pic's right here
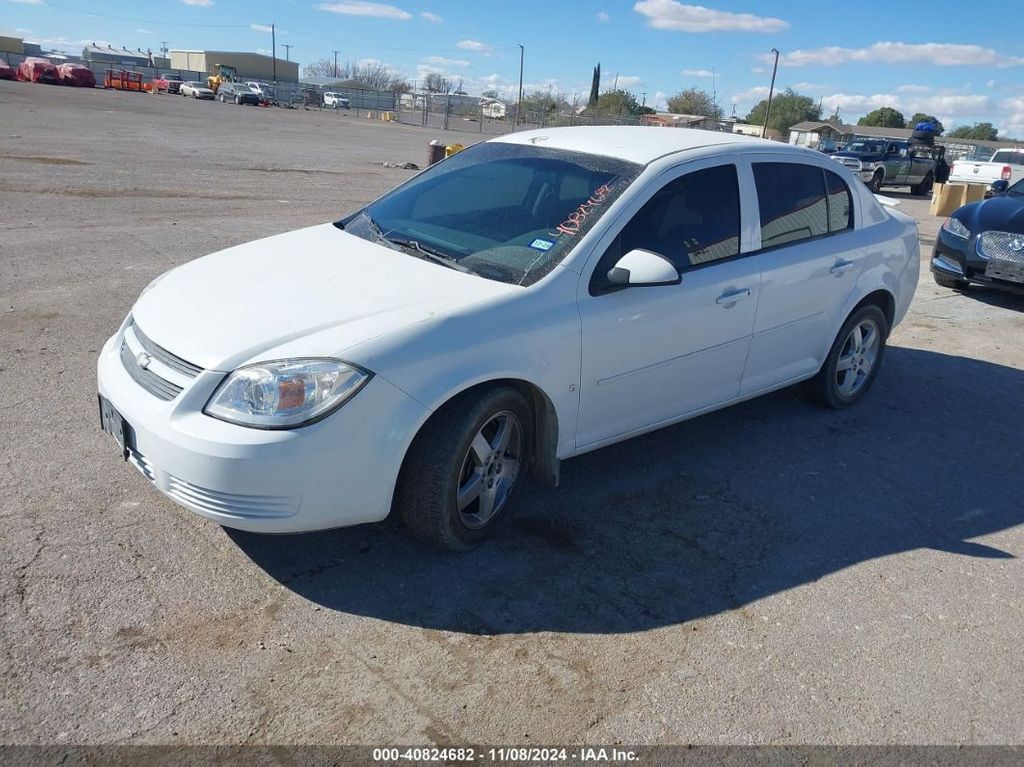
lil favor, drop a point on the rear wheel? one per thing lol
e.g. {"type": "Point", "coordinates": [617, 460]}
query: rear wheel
{"type": "Point", "coordinates": [465, 467]}
{"type": "Point", "coordinates": [875, 184]}
{"type": "Point", "coordinates": [951, 282]}
{"type": "Point", "coordinates": [853, 361]}
{"type": "Point", "coordinates": [925, 187]}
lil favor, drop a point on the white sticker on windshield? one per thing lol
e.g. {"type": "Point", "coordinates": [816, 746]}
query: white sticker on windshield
{"type": "Point", "coordinates": [540, 244]}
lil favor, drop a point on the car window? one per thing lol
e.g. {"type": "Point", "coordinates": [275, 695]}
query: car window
{"type": "Point", "coordinates": [508, 212]}
{"type": "Point", "coordinates": [792, 202]}
{"type": "Point", "coordinates": [840, 203]}
{"type": "Point", "coordinates": [1009, 156]}
{"type": "Point", "coordinates": [692, 220]}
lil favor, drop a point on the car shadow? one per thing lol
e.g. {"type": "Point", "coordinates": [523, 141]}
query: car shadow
{"type": "Point", "coordinates": [705, 516]}
{"type": "Point", "coordinates": [1002, 299]}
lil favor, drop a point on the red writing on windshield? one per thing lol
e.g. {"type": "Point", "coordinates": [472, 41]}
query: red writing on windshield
{"type": "Point", "coordinates": [575, 220]}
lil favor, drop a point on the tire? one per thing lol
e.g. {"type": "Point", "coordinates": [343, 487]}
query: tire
{"type": "Point", "coordinates": [853, 361]}
{"type": "Point", "coordinates": [875, 184]}
{"type": "Point", "coordinates": [925, 187]}
{"type": "Point", "coordinates": [443, 464]}
{"type": "Point", "coordinates": [950, 282]}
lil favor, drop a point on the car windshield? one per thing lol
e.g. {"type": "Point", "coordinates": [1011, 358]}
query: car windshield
{"type": "Point", "coordinates": [507, 212]}
{"type": "Point", "coordinates": [874, 147]}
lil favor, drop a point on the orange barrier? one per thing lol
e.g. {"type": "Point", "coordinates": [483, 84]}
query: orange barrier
{"type": "Point", "coordinates": [123, 80]}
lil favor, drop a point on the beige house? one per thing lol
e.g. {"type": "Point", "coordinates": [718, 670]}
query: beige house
{"type": "Point", "coordinates": [254, 66]}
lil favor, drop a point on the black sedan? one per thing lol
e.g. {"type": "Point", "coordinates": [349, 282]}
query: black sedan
{"type": "Point", "coordinates": [237, 92]}
{"type": "Point", "coordinates": [983, 243]}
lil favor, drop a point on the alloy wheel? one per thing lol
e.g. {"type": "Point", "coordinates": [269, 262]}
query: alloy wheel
{"type": "Point", "coordinates": [490, 470]}
{"type": "Point", "coordinates": [857, 358]}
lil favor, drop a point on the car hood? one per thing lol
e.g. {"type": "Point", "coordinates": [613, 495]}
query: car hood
{"type": "Point", "coordinates": [320, 290]}
{"type": "Point", "coordinates": [1005, 214]}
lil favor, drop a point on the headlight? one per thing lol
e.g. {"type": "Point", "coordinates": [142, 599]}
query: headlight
{"type": "Point", "coordinates": [956, 228]}
{"type": "Point", "coordinates": [286, 393]}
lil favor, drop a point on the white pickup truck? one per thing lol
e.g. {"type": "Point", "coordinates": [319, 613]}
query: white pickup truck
{"type": "Point", "coordinates": [1006, 164]}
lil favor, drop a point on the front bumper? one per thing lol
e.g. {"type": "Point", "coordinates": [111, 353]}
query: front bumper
{"type": "Point", "coordinates": [958, 258]}
{"type": "Point", "coordinates": [337, 472]}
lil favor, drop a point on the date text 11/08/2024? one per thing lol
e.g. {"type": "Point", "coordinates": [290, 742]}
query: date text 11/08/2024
{"type": "Point", "coordinates": [504, 754]}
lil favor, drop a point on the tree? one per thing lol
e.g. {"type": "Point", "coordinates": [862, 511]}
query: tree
{"type": "Point", "coordinates": [542, 103]}
{"type": "Point", "coordinates": [617, 103]}
{"type": "Point", "coordinates": [374, 74]}
{"type": "Point", "coordinates": [694, 101]}
{"type": "Point", "coordinates": [595, 85]}
{"type": "Point", "coordinates": [921, 117]}
{"type": "Point", "coordinates": [435, 82]}
{"type": "Point", "coordinates": [788, 109]}
{"type": "Point", "coordinates": [978, 131]}
{"type": "Point", "coordinates": [885, 117]}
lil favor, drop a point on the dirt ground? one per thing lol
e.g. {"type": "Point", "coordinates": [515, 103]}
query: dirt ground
{"type": "Point", "coordinates": [771, 573]}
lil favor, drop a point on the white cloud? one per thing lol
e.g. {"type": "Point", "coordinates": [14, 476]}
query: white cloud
{"type": "Point", "coordinates": [923, 54]}
{"type": "Point", "coordinates": [1013, 123]}
{"type": "Point", "coordinates": [629, 81]}
{"type": "Point", "coordinates": [948, 107]}
{"type": "Point", "coordinates": [697, 73]}
{"type": "Point", "coordinates": [671, 14]}
{"type": "Point", "coordinates": [441, 61]}
{"type": "Point", "coordinates": [200, 3]}
{"type": "Point", "coordinates": [27, 2]}
{"type": "Point", "coordinates": [660, 103]}
{"type": "Point", "coordinates": [264, 51]}
{"type": "Point", "coordinates": [141, 31]}
{"type": "Point", "coordinates": [473, 45]}
{"type": "Point", "coordinates": [603, 16]}
{"type": "Point", "coordinates": [911, 88]}
{"type": "Point", "coordinates": [750, 95]}
{"type": "Point", "coordinates": [260, 27]}
{"type": "Point", "coordinates": [809, 87]}
{"type": "Point", "coordinates": [432, 17]}
{"type": "Point", "coordinates": [357, 8]}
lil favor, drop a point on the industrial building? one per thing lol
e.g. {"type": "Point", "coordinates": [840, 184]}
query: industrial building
{"type": "Point", "coordinates": [109, 55]}
{"type": "Point", "coordinates": [253, 66]}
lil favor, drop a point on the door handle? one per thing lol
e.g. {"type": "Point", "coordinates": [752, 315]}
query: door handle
{"type": "Point", "coordinates": [841, 267]}
{"type": "Point", "coordinates": [732, 296]}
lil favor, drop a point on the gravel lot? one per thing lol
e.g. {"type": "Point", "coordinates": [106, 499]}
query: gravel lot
{"type": "Point", "coordinates": [771, 573]}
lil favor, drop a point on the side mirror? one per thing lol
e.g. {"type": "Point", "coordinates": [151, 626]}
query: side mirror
{"type": "Point", "coordinates": [642, 268]}
{"type": "Point", "coordinates": [903, 153]}
{"type": "Point", "coordinates": [999, 187]}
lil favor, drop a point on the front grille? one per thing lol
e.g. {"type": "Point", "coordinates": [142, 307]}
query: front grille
{"type": "Point", "coordinates": [1003, 246]}
{"type": "Point", "coordinates": [850, 162]}
{"type": "Point", "coordinates": [158, 371]}
{"type": "Point", "coordinates": [160, 353]}
{"type": "Point", "coordinates": [147, 379]}
{"type": "Point", "coordinates": [229, 504]}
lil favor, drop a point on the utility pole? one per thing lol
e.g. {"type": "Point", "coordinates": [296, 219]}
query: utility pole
{"type": "Point", "coordinates": [714, 94]}
{"type": "Point", "coordinates": [519, 104]}
{"type": "Point", "coordinates": [287, 51]}
{"type": "Point", "coordinates": [643, 101]}
{"type": "Point", "coordinates": [163, 48]}
{"type": "Point", "coordinates": [273, 51]}
{"type": "Point", "coordinates": [771, 91]}
{"type": "Point", "coordinates": [336, 63]}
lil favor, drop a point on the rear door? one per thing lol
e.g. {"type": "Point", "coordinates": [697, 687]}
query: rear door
{"type": "Point", "coordinates": [809, 265]}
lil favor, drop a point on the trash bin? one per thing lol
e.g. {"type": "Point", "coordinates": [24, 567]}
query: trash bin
{"type": "Point", "coordinates": [435, 152]}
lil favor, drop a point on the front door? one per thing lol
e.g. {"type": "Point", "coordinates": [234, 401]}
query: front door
{"type": "Point", "coordinates": [653, 354]}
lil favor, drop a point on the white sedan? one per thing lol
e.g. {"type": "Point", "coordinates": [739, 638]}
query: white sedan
{"type": "Point", "coordinates": [196, 90]}
{"type": "Point", "coordinates": [527, 300]}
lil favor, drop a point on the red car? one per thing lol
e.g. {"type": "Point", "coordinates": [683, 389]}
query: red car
{"type": "Point", "coordinates": [168, 83]}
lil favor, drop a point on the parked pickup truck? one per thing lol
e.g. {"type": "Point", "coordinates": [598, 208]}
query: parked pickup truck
{"type": "Point", "coordinates": [1006, 164]}
{"type": "Point", "coordinates": [884, 162]}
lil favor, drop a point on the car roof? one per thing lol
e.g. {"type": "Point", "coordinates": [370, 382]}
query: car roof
{"type": "Point", "coordinates": [636, 143]}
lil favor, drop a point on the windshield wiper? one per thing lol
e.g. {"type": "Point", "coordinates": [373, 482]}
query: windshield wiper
{"type": "Point", "coordinates": [431, 254]}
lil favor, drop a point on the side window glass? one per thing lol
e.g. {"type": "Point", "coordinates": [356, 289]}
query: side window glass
{"type": "Point", "coordinates": [692, 220]}
{"type": "Point", "coordinates": [840, 203]}
{"type": "Point", "coordinates": [792, 202]}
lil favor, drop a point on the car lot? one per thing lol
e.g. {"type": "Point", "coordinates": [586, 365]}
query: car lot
{"type": "Point", "coordinates": [773, 572]}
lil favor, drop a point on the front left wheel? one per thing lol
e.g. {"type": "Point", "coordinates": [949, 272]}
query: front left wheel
{"type": "Point", "coordinates": [465, 467]}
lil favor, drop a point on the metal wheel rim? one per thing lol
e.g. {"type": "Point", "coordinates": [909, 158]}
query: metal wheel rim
{"type": "Point", "coordinates": [857, 357]}
{"type": "Point", "coordinates": [490, 470]}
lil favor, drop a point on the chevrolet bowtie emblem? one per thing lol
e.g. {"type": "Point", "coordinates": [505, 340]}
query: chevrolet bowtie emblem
{"type": "Point", "coordinates": [142, 360]}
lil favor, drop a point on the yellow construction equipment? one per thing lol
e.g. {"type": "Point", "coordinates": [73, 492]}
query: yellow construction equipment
{"type": "Point", "coordinates": [225, 74]}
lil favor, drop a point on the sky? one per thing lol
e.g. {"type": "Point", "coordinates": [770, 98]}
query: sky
{"type": "Point", "coordinates": [961, 62]}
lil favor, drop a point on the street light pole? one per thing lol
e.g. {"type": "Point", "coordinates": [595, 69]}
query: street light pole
{"type": "Point", "coordinates": [519, 104]}
{"type": "Point", "coordinates": [287, 51]}
{"type": "Point", "coordinates": [336, 63]}
{"type": "Point", "coordinates": [771, 91]}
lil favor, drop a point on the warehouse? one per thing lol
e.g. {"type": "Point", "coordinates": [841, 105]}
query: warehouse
{"type": "Point", "coordinates": [253, 66]}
